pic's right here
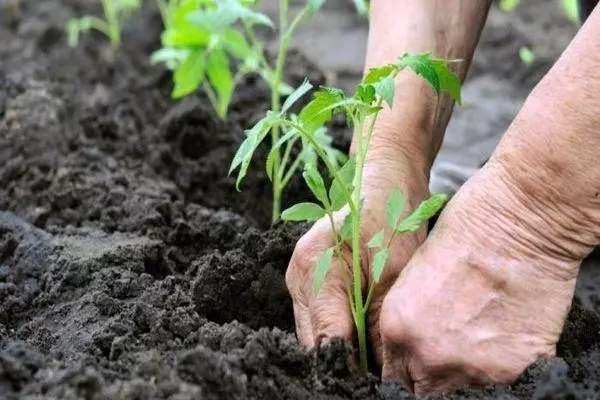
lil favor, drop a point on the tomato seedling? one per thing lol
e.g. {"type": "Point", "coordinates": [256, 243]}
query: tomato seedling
{"type": "Point", "coordinates": [115, 13]}
{"type": "Point", "coordinates": [344, 192]}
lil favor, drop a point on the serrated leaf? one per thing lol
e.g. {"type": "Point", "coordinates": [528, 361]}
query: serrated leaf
{"type": "Point", "coordinates": [421, 64]}
{"type": "Point", "coordinates": [324, 264]}
{"type": "Point", "coordinates": [394, 208]}
{"type": "Point", "coordinates": [314, 114]}
{"type": "Point", "coordinates": [379, 260]}
{"type": "Point", "coordinates": [314, 6]}
{"type": "Point", "coordinates": [377, 239]}
{"type": "Point", "coordinates": [220, 78]}
{"type": "Point", "coordinates": [427, 209]}
{"type": "Point", "coordinates": [365, 94]}
{"type": "Point", "coordinates": [449, 82]}
{"type": "Point", "coordinates": [386, 89]}
{"type": "Point", "coordinates": [303, 212]}
{"type": "Point", "coordinates": [378, 73]}
{"type": "Point", "coordinates": [189, 75]}
{"type": "Point", "coordinates": [434, 71]}
{"type": "Point", "coordinates": [295, 95]}
{"type": "Point", "coordinates": [346, 229]}
{"type": "Point", "coordinates": [315, 182]}
{"type": "Point", "coordinates": [336, 191]}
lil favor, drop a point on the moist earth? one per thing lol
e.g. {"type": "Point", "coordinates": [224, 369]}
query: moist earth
{"type": "Point", "coordinates": [131, 268]}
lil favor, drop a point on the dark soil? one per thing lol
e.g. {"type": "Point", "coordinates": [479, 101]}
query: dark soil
{"type": "Point", "coordinates": [130, 268]}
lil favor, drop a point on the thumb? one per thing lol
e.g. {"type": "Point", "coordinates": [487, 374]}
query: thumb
{"type": "Point", "coordinates": [330, 308]}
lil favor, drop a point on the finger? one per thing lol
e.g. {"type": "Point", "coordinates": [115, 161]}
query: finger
{"type": "Point", "coordinates": [330, 312]}
{"type": "Point", "coordinates": [304, 329]}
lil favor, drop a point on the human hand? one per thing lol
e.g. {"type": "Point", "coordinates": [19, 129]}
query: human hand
{"type": "Point", "coordinates": [487, 294]}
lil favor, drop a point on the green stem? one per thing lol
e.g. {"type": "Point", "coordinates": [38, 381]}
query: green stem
{"type": "Point", "coordinates": [110, 12]}
{"type": "Point", "coordinates": [341, 262]}
{"type": "Point", "coordinates": [356, 264]}
{"type": "Point", "coordinates": [284, 42]}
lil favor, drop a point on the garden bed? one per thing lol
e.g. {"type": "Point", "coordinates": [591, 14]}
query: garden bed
{"type": "Point", "coordinates": [129, 265]}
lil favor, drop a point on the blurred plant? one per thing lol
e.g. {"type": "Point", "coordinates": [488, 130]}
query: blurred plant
{"type": "Point", "coordinates": [115, 13]}
{"type": "Point", "coordinates": [569, 7]}
{"type": "Point", "coordinates": [527, 55]}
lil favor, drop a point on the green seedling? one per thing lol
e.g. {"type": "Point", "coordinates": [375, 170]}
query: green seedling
{"type": "Point", "coordinates": [204, 39]}
{"type": "Point", "coordinates": [200, 43]}
{"type": "Point", "coordinates": [115, 13]}
{"type": "Point", "coordinates": [342, 193]}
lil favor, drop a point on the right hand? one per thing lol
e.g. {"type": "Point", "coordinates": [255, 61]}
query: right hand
{"type": "Point", "coordinates": [321, 316]}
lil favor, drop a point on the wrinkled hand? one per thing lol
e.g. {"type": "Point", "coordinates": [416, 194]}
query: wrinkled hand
{"type": "Point", "coordinates": [484, 297]}
{"type": "Point", "coordinates": [323, 315]}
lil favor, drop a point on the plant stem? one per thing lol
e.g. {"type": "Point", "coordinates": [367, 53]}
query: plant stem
{"type": "Point", "coordinates": [356, 264]}
{"type": "Point", "coordinates": [110, 12]}
{"type": "Point", "coordinates": [285, 33]}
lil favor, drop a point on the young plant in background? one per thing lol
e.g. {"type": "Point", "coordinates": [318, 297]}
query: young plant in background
{"type": "Point", "coordinates": [344, 193]}
{"type": "Point", "coordinates": [200, 43]}
{"type": "Point", "coordinates": [115, 13]}
{"type": "Point", "coordinates": [204, 38]}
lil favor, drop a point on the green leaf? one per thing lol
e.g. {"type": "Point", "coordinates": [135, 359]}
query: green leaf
{"type": "Point", "coordinates": [386, 88]}
{"type": "Point", "coordinates": [168, 54]}
{"type": "Point", "coordinates": [235, 43]}
{"type": "Point", "coordinates": [379, 260]}
{"type": "Point", "coordinates": [185, 36]}
{"type": "Point", "coordinates": [220, 77]}
{"type": "Point", "coordinates": [270, 164]}
{"type": "Point", "coordinates": [336, 191]}
{"type": "Point", "coordinates": [377, 239]}
{"type": "Point", "coordinates": [427, 209]}
{"type": "Point", "coordinates": [254, 137]}
{"type": "Point", "coordinates": [315, 113]}
{"type": "Point", "coordinates": [378, 73]}
{"type": "Point", "coordinates": [394, 208]}
{"type": "Point", "coordinates": [346, 229]}
{"type": "Point", "coordinates": [324, 263]}
{"type": "Point", "coordinates": [421, 64]}
{"type": "Point", "coordinates": [303, 212]}
{"type": "Point", "coordinates": [189, 75]}
{"type": "Point", "coordinates": [316, 184]}
{"type": "Point", "coordinates": [509, 5]}
{"type": "Point", "coordinates": [434, 71]}
{"type": "Point", "coordinates": [212, 20]}
{"type": "Point", "coordinates": [365, 93]}
{"type": "Point", "coordinates": [296, 94]}
{"type": "Point", "coordinates": [314, 6]}
{"type": "Point", "coordinates": [449, 82]}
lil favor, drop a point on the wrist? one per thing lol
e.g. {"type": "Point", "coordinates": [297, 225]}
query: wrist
{"type": "Point", "coordinates": [550, 182]}
{"type": "Point", "coordinates": [412, 129]}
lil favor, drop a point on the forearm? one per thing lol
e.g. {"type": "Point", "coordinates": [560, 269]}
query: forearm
{"type": "Point", "coordinates": [448, 29]}
{"type": "Point", "coordinates": [550, 152]}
